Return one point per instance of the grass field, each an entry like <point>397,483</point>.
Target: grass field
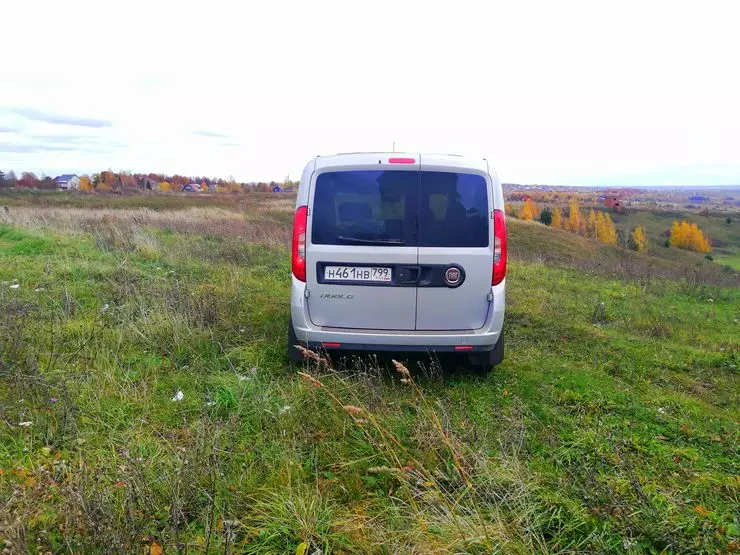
<point>612,425</point>
<point>725,236</point>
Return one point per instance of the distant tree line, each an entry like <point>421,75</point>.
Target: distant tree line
<point>596,225</point>
<point>27,180</point>
<point>107,180</point>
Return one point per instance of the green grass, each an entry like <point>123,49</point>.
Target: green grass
<point>612,425</point>
<point>727,257</point>
<point>725,237</point>
<point>17,242</point>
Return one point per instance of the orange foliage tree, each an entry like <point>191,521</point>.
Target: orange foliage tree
<point>574,217</point>
<point>529,210</point>
<point>557,219</point>
<point>85,184</point>
<point>510,210</point>
<point>688,236</point>
<point>108,181</point>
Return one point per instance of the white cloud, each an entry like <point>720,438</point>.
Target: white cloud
<point>566,92</point>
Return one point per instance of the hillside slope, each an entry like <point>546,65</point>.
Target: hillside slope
<point>146,403</point>
<point>532,241</point>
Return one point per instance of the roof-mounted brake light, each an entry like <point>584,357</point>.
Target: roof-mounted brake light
<point>401,161</point>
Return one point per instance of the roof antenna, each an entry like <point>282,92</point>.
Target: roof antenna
<point>394,146</point>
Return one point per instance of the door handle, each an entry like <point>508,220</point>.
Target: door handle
<point>410,274</point>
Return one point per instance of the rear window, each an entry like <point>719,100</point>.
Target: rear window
<point>400,208</point>
<point>453,210</point>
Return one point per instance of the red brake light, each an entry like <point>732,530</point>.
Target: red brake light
<point>463,347</point>
<point>401,161</point>
<point>298,260</point>
<point>499,247</point>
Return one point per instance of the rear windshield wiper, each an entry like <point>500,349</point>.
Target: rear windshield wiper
<point>371,241</point>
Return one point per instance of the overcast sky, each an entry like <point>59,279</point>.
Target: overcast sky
<point>644,93</point>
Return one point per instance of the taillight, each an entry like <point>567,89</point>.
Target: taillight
<point>298,261</point>
<point>499,247</point>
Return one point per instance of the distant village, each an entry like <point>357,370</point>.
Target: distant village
<point>109,181</point>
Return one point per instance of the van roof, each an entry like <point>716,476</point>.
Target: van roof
<point>394,153</point>
<point>452,161</point>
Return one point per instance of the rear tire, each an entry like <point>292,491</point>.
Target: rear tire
<point>497,354</point>
<point>293,353</point>
<point>482,363</point>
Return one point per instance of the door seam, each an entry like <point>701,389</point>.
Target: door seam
<point>418,244</point>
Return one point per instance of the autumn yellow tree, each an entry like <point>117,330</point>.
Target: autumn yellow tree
<point>638,241</point>
<point>528,211</point>
<point>165,186</point>
<point>574,217</point>
<point>557,219</point>
<point>688,236</point>
<point>85,184</point>
<point>606,231</point>
<point>510,210</point>
<point>591,224</point>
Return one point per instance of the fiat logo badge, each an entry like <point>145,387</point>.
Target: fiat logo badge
<point>453,276</point>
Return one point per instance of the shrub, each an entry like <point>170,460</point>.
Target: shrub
<point>546,216</point>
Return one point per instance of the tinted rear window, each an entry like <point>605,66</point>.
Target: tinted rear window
<point>453,210</point>
<point>400,208</point>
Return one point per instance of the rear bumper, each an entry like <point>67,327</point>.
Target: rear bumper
<point>317,337</point>
<point>320,346</point>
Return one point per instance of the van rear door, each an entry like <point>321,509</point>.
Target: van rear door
<point>455,246</point>
<point>362,255</point>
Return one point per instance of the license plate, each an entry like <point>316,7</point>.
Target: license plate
<point>368,274</point>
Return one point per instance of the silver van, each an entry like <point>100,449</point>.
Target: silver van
<point>399,252</point>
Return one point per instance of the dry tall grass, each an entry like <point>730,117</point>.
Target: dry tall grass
<point>264,227</point>
<point>459,499</point>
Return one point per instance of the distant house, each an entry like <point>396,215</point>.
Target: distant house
<point>613,202</point>
<point>68,182</point>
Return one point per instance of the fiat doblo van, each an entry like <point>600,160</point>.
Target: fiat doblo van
<point>399,253</point>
